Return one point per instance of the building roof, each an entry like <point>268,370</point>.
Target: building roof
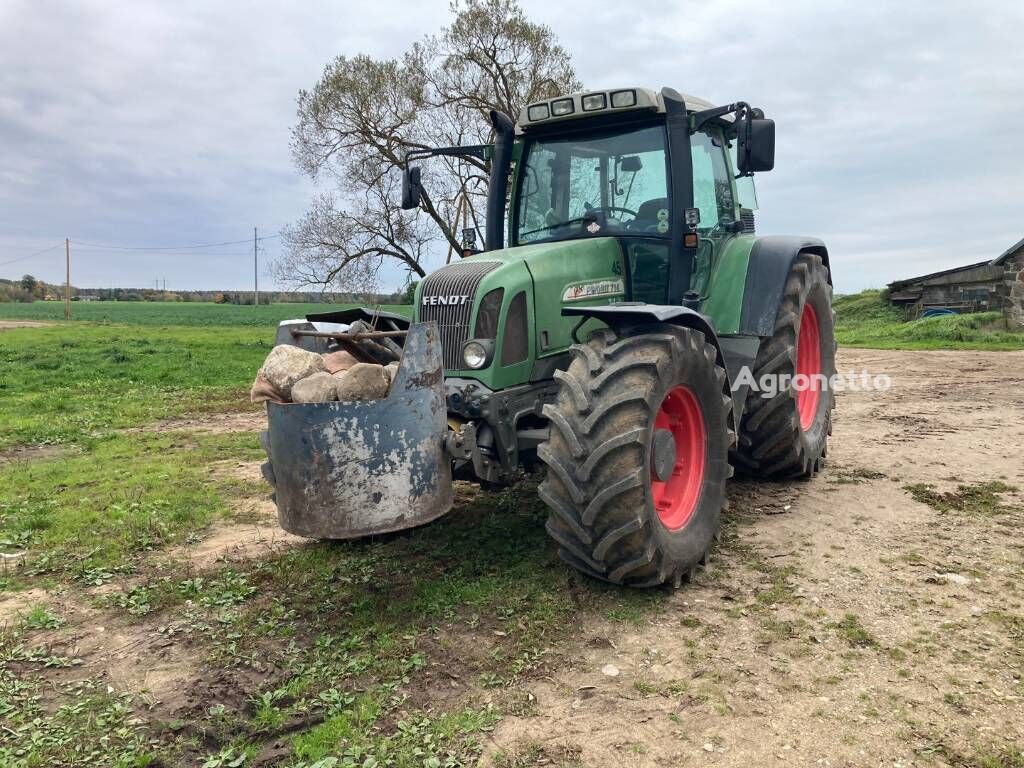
<point>898,284</point>
<point>1007,253</point>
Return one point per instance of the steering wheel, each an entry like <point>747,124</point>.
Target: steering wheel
<point>606,208</point>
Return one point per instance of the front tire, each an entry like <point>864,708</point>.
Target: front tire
<point>638,455</point>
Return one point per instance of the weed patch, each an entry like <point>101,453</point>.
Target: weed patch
<point>853,632</point>
<point>980,499</point>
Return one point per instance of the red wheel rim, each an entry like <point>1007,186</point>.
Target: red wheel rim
<point>808,367</point>
<point>676,498</point>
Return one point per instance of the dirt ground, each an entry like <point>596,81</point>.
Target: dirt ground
<point>884,645</point>
<point>841,622</point>
<point>10,325</point>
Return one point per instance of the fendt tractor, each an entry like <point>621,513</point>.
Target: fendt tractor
<point>612,334</point>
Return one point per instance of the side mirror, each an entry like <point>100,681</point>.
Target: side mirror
<point>755,145</point>
<point>412,191</point>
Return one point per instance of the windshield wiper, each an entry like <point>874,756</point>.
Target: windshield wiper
<point>577,220</point>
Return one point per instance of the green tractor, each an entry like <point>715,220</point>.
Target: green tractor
<point>632,334</point>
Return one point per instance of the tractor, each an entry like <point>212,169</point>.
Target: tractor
<point>617,333</point>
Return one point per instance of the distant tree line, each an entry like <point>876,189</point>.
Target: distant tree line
<point>29,289</point>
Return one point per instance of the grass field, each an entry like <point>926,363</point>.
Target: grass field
<point>171,313</point>
<point>867,320</point>
<point>72,384</point>
<point>863,320</point>
<point>405,650</point>
<point>95,499</point>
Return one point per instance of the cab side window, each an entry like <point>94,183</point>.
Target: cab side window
<point>712,182</point>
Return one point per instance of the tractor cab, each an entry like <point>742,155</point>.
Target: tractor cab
<point>649,169</point>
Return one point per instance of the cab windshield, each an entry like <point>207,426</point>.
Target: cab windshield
<point>594,185</point>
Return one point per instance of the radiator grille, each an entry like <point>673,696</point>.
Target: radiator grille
<point>452,318</point>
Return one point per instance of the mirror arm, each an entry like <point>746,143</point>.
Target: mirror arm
<point>479,151</point>
<point>700,118</point>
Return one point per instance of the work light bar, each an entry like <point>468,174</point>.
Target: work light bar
<point>588,104</point>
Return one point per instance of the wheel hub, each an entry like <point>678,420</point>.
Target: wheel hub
<point>663,454</point>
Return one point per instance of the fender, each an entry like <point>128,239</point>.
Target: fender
<point>771,259</point>
<point>624,313</point>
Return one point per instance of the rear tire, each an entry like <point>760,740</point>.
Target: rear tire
<point>625,404</point>
<point>786,436</point>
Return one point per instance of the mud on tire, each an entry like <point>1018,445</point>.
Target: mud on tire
<point>772,441</point>
<point>599,457</point>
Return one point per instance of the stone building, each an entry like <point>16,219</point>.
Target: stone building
<point>996,285</point>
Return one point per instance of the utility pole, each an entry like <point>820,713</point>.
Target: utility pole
<point>67,278</point>
<point>255,270</point>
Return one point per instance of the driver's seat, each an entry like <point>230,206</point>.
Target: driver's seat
<point>647,213</point>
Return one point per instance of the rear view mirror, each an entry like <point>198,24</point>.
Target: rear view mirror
<point>412,191</point>
<point>631,164</point>
<point>755,138</point>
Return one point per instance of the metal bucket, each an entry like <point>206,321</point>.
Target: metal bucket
<point>342,470</point>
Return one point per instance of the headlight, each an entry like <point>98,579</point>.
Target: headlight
<point>562,107</point>
<point>538,112</point>
<point>476,354</point>
<point>624,99</point>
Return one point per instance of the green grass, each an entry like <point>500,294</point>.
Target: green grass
<point>75,381</point>
<point>364,636</point>
<point>66,384</point>
<point>86,516</point>
<point>866,319</point>
<point>172,313</point>
<point>324,652</point>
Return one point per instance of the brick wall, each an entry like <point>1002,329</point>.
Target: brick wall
<point>1015,287</point>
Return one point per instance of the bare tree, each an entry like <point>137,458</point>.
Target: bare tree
<point>357,123</point>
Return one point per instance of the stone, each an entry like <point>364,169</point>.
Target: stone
<point>262,391</point>
<point>363,381</point>
<point>390,372</point>
<point>319,388</point>
<point>610,670</point>
<point>287,364</point>
<point>339,361</point>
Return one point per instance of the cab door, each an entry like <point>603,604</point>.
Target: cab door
<point>713,197</point>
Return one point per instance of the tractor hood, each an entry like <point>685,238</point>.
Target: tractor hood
<point>513,299</point>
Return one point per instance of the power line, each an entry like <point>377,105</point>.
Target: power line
<point>147,253</point>
<point>37,253</point>
<point>170,247</point>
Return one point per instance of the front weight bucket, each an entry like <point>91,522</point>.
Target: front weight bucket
<point>342,470</point>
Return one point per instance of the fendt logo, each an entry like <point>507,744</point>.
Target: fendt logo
<point>445,301</point>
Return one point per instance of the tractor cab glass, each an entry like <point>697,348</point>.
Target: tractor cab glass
<point>612,182</point>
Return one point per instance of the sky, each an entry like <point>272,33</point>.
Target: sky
<point>154,124</point>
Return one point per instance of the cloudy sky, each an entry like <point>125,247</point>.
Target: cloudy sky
<point>160,124</point>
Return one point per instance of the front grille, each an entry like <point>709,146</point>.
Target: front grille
<point>452,318</point>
